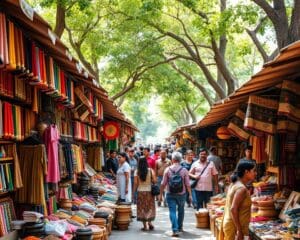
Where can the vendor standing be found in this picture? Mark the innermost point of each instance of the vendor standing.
(237, 211)
(112, 164)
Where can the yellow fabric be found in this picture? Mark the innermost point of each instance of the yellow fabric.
(244, 213)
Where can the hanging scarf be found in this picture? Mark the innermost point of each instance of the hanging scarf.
(261, 114)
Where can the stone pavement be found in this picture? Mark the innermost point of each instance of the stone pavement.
(163, 228)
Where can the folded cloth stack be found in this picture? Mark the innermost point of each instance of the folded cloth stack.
(30, 216)
(87, 207)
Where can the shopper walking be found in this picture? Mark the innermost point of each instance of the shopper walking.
(176, 179)
(143, 177)
(205, 172)
(238, 202)
(187, 164)
(160, 167)
(133, 165)
(123, 178)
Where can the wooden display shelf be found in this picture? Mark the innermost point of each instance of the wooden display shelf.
(6, 159)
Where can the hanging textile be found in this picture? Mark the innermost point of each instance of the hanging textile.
(6, 177)
(7, 215)
(1, 119)
(94, 157)
(51, 138)
(18, 182)
(78, 158)
(4, 60)
(8, 125)
(33, 191)
(30, 122)
(67, 161)
(289, 100)
(65, 191)
(261, 114)
(285, 125)
(236, 125)
(113, 144)
(11, 46)
(52, 205)
(6, 84)
(290, 144)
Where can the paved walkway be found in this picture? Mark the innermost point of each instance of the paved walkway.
(163, 228)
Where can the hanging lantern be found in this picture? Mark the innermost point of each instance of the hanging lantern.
(223, 133)
(111, 130)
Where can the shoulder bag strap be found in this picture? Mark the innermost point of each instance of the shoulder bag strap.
(204, 169)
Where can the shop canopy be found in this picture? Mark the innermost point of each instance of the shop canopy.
(285, 66)
(39, 30)
(183, 128)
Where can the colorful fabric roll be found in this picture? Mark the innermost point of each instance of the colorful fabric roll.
(289, 100)
(6, 84)
(4, 59)
(261, 114)
(7, 215)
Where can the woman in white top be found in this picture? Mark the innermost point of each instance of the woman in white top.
(123, 179)
(143, 177)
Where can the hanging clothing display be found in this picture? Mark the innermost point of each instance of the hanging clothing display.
(261, 114)
(6, 177)
(33, 191)
(6, 84)
(236, 125)
(66, 161)
(289, 100)
(78, 158)
(52, 205)
(3, 42)
(94, 157)
(51, 138)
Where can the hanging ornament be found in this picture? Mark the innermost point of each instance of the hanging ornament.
(111, 130)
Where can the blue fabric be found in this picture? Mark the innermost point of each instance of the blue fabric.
(176, 203)
(203, 197)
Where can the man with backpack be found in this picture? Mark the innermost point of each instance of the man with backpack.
(176, 179)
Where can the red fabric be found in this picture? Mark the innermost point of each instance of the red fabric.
(151, 162)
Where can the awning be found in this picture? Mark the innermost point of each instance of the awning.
(38, 30)
(285, 66)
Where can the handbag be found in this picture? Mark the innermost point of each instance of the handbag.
(155, 191)
(193, 182)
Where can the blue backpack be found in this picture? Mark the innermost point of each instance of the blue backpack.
(175, 182)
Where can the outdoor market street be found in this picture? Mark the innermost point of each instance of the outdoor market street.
(163, 228)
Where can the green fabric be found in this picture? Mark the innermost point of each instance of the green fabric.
(112, 144)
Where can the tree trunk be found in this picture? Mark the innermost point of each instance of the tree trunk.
(294, 29)
(60, 23)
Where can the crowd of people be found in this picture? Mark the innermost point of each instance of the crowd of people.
(137, 170)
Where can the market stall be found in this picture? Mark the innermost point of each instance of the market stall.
(52, 113)
(264, 113)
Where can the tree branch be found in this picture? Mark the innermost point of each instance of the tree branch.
(267, 9)
(60, 22)
(194, 82)
(81, 57)
(294, 28)
(140, 70)
(202, 14)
